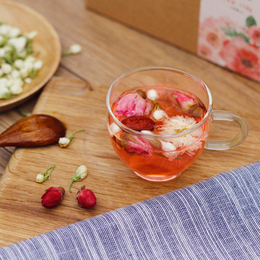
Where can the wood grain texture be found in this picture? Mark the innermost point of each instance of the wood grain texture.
(109, 50)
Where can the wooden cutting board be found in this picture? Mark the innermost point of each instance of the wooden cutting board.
(79, 106)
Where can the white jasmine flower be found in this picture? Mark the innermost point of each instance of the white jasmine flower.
(152, 94)
(16, 87)
(4, 29)
(64, 142)
(15, 74)
(2, 52)
(14, 32)
(24, 72)
(3, 82)
(6, 68)
(19, 43)
(30, 59)
(39, 178)
(3, 91)
(38, 64)
(42, 177)
(21, 54)
(75, 48)
(81, 172)
(31, 35)
(28, 80)
(147, 132)
(167, 146)
(28, 65)
(115, 128)
(159, 114)
(18, 63)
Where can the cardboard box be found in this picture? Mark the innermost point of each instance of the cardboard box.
(173, 21)
(225, 32)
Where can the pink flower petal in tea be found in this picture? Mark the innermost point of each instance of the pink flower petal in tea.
(132, 105)
(183, 100)
(139, 147)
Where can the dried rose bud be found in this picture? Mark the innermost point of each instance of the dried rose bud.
(86, 198)
(136, 145)
(52, 197)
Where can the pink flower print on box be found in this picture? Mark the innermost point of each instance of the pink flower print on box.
(254, 34)
(132, 104)
(223, 42)
(242, 57)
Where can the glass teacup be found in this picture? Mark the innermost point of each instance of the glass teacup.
(159, 120)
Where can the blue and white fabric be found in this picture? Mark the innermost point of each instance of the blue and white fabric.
(218, 218)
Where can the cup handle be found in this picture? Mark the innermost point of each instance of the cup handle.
(238, 139)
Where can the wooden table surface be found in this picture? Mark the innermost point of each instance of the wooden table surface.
(111, 49)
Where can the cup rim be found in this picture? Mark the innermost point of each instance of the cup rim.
(152, 135)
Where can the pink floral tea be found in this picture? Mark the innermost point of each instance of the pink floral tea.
(156, 113)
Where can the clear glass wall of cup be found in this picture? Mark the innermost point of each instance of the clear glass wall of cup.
(178, 138)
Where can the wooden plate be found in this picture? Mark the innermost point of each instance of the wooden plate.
(46, 42)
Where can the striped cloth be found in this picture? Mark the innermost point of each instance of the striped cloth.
(218, 218)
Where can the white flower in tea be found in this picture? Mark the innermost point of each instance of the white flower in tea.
(159, 114)
(177, 124)
(115, 128)
(167, 146)
(152, 94)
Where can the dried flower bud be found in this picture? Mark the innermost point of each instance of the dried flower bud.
(86, 198)
(39, 178)
(74, 49)
(64, 142)
(52, 197)
(80, 174)
(115, 128)
(42, 177)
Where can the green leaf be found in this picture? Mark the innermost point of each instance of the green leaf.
(244, 37)
(250, 20)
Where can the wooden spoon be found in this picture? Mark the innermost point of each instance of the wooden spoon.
(34, 130)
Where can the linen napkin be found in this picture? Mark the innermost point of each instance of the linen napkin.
(218, 218)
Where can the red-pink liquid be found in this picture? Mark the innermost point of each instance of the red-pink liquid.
(162, 165)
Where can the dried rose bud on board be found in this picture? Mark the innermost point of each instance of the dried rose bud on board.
(52, 197)
(86, 198)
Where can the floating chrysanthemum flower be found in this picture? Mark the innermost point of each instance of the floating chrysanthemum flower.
(178, 124)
